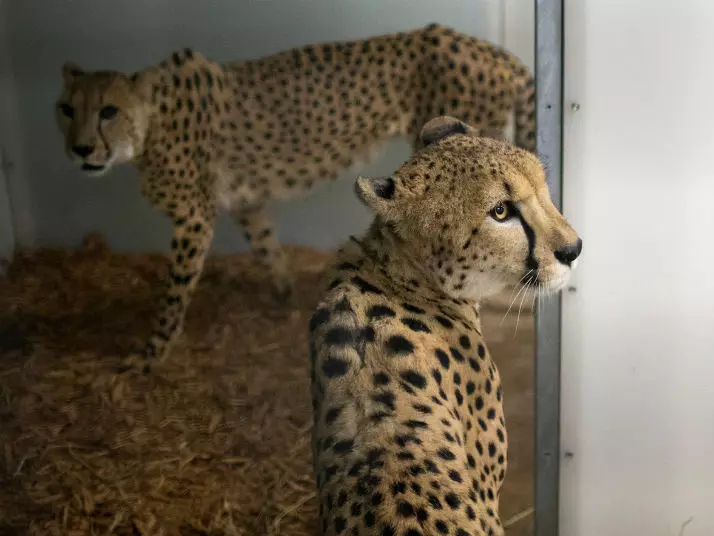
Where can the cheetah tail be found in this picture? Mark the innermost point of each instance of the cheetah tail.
(525, 113)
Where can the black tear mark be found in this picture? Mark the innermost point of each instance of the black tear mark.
(531, 262)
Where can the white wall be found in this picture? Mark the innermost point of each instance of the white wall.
(63, 205)
(638, 335)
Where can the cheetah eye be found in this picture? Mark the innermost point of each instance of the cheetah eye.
(500, 212)
(67, 110)
(108, 112)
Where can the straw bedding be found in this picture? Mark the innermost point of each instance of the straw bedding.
(216, 441)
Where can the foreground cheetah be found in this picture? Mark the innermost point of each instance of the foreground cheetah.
(409, 436)
(235, 136)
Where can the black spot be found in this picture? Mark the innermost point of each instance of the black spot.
(340, 524)
(491, 450)
(413, 423)
(339, 336)
(441, 527)
(332, 414)
(446, 454)
(356, 509)
(380, 378)
(405, 509)
(397, 344)
(343, 446)
(461, 532)
(465, 342)
(399, 487)
(455, 476)
(413, 309)
(470, 387)
(414, 378)
(369, 519)
(452, 500)
(479, 403)
(380, 311)
(443, 358)
(481, 351)
(388, 530)
(436, 375)
(458, 356)
(416, 325)
(334, 367)
(434, 502)
(387, 399)
(422, 408)
(445, 322)
(364, 286)
(405, 456)
(474, 364)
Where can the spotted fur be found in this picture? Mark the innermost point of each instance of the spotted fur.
(235, 136)
(409, 436)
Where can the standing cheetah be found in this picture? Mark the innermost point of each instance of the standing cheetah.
(409, 436)
(235, 136)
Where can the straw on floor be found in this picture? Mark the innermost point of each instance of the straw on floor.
(216, 441)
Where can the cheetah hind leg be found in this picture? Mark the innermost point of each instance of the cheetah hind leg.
(260, 234)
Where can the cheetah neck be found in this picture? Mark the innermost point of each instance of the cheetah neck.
(381, 251)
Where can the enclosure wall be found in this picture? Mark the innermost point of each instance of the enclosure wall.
(131, 34)
(638, 330)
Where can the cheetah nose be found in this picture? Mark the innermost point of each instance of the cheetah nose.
(83, 151)
(569, 253)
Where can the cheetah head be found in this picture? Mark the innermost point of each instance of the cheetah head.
(102, 116)
(475, 214)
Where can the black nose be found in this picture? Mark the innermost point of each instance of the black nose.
(569, 253)
(82, 151)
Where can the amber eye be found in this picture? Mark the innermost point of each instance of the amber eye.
(67, 110)
(108, 112)
(500, 212)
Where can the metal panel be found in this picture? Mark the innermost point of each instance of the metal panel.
(549, 107)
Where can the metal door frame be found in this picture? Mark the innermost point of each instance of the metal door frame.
(549, 128)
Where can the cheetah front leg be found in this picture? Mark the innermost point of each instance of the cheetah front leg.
(260, 234)
(191, 240)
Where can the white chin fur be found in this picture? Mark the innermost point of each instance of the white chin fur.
(121, 155)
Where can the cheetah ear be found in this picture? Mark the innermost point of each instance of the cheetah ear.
(141, 83)
(377, 193)
(442, 127)
(70, 71)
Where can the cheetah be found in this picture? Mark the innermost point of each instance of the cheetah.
(409, 437)
(207, 136)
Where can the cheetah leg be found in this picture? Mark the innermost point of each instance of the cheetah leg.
(259, 232)
(190, 243)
